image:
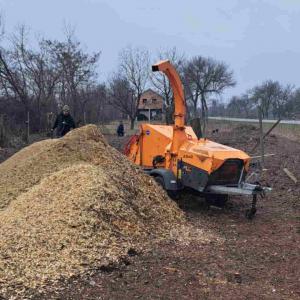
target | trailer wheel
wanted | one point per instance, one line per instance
(216, 200)
(160, 181)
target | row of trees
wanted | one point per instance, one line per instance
(274, 99)
(202, 78)
(36, 81)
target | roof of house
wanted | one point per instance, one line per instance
(158, 104)
(153, 92)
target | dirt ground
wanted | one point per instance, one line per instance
(242, 259)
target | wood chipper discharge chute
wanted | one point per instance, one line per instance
(179, 160)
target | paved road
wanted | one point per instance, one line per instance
(290, 122)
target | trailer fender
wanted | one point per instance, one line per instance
(168, 176)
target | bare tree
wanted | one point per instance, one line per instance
(14, 73)
(44, 76)
(271, 96)
(78, 70)
(280, 104)
(37, 79)
(134, 67)
(161, 83)
(204, 77)
(192, 94)
(240, 106)
(30, 75)
(217, 108)
(94, 101)
(121, 96)
(2, 27)
(293, 105)
(263, 95)
(101, 108)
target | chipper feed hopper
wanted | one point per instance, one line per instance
(179, 160)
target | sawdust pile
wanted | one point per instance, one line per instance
(71, 205)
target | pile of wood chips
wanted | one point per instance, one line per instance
(71, 205)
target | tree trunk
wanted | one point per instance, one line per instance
(39, 118)
(2, 131)
(132, 123)
(195, 109)
(196, 125)
(28, 126)
(169, 115)
(203, 114)
(84, 117)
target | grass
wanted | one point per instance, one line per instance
(287, 130)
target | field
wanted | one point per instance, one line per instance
(223, 255)
(292, 131)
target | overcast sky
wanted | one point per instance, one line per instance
(259, 39)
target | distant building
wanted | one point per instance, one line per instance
(150, 106)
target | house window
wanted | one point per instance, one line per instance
(154, 100)
(144, 101)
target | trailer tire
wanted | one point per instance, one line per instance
(160, 181)
(216, 200)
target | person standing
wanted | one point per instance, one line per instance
(120, 130)
(64, 122)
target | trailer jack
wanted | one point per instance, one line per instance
(250, 213)
(245, 189)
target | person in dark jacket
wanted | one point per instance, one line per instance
(120, 130)
(64, 122)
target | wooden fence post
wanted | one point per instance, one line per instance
(28, 126)
(262, 149)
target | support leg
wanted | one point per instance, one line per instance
(250, 213)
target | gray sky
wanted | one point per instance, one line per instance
(259, 39)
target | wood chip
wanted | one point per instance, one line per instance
(290, 175)
(69, 205)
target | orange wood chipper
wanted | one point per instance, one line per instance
(179, 160)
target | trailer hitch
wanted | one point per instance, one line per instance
(246, 189)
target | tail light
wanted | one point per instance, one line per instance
(229, 173)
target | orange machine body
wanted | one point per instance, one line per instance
(194, 163)
(156, 140)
